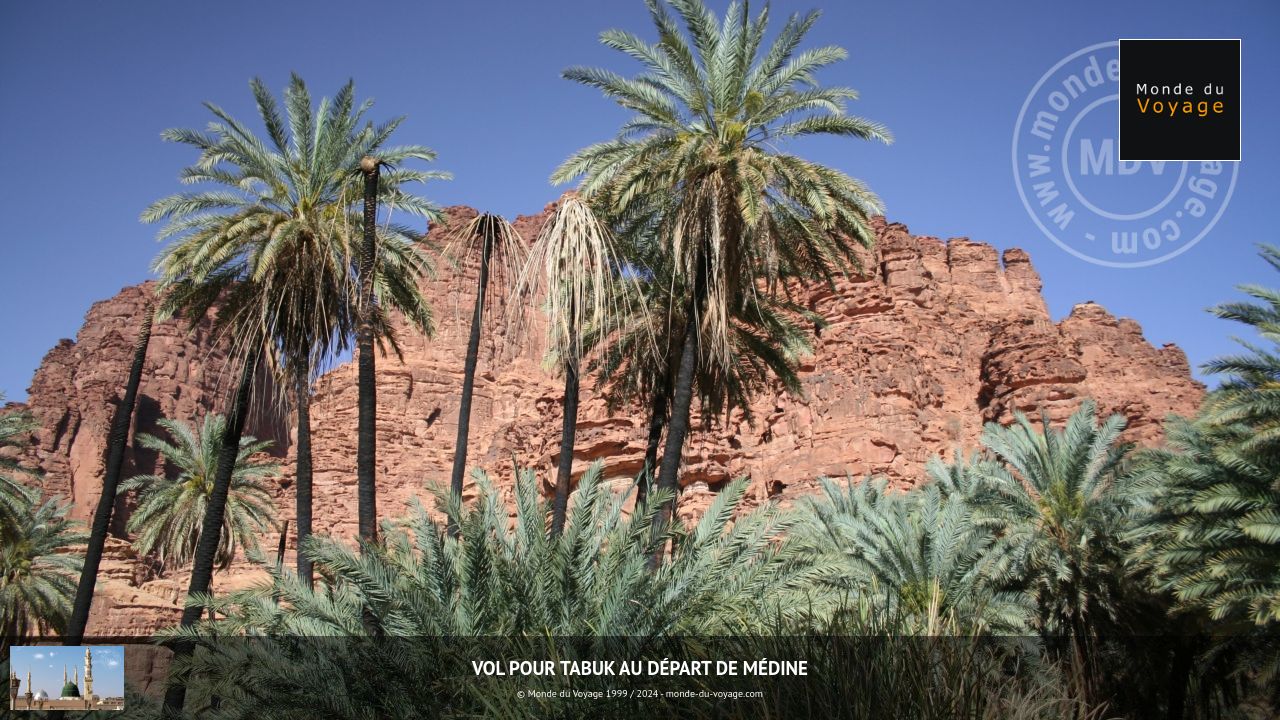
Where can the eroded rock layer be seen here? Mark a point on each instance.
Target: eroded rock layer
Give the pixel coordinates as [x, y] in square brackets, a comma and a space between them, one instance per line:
[932, 340]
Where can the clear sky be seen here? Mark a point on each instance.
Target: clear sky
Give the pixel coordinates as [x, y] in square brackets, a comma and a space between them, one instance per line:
[46, 664]
[86, 88]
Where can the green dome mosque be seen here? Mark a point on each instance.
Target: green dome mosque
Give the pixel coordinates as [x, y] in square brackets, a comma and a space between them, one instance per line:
[71, 687]
[72, 697]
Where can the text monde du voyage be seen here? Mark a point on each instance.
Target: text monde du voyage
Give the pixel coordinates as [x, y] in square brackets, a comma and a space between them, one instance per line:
[1181, 99]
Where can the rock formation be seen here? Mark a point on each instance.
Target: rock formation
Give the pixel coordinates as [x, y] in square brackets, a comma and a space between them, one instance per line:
[74, 393]
[73, 397]
[913, 355]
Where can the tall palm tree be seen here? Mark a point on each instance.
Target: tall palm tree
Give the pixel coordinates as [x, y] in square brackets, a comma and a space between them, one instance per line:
[494, 236]
[116, 442]
[303, 468]
[295, 221]
[367, 403]
[210, 536]
[575, 265]
[1207, 530]
[171, 510]
[766, 345]
[386, 277]
[1230, 461]
[290, 202]
[699, 162]
[37, 574]
[273, 251]
[1207, 520]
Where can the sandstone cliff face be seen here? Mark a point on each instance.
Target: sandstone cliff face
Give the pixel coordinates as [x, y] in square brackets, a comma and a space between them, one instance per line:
[74, 393]
[933, 340]
[914, 355]
[73, 397]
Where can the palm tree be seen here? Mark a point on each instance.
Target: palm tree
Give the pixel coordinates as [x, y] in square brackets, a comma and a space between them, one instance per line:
[273, 251]
[1210, 525]
[574, 263]
[499, 578]
[116, 442]
[919, 555]
[1250, 391]
[699, 163]
[509, 582]
[1207, 522]
[207, 542]
[1058, 496]
[367, 403]
[290, 202]
[1214, 522]
[303, 468]
[635, 366]
[171, 511]
[386, 277]
[1207, 532]
[494, 236]
[15, 430]
[37, 574]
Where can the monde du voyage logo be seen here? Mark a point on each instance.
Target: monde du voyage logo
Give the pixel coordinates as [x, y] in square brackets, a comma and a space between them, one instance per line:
[1124, 152]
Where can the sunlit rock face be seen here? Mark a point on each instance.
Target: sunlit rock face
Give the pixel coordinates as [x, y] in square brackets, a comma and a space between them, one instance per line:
[74, 393]
[928, 342]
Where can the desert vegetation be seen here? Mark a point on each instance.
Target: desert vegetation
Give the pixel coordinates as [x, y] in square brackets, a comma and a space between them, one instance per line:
[37, 579]
[171, 509]
[1053, 571]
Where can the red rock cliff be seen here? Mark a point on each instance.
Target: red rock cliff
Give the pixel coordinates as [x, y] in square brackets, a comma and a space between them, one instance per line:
[931, 341]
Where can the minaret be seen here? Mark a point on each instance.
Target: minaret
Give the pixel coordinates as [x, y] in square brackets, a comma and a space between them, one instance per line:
[14, 682]
[64, 674]
[88, 674]
[75, 677]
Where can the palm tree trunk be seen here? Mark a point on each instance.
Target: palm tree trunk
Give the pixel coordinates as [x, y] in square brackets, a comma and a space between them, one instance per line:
[657, 421]
[366, 435]
[1082, 660]
[211, 615]
[284, 538]
[303, 391]
[678, 427]
[212, 525]
[469, 379]
[106, 502]
[568, 435]
[682, 396]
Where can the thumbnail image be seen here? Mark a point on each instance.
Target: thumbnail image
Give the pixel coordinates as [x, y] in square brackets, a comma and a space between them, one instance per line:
[57, 677]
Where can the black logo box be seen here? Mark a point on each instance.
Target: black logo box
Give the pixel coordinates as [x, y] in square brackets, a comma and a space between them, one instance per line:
[1155, 73]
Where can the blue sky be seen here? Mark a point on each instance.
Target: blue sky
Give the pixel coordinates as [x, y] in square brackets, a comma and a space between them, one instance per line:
[87, 88]
[46, 663]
